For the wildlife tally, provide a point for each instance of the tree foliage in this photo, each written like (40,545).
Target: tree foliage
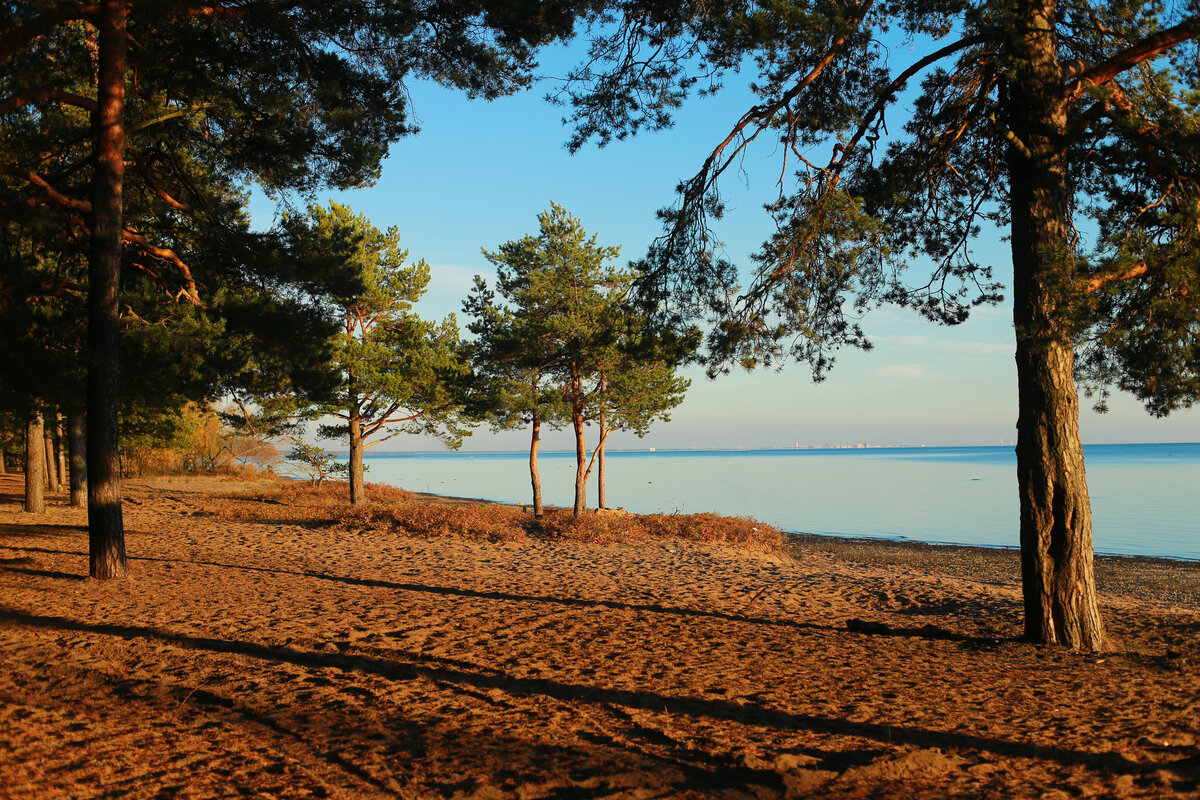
(396,373)
(200,99)
(317,465)
(1072,125)
(566,345)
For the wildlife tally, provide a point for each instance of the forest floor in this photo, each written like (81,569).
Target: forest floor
(291,659)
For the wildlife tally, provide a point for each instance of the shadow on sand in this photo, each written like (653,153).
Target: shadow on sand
(456,675)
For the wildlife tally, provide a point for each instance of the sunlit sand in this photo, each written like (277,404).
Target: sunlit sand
(284,659)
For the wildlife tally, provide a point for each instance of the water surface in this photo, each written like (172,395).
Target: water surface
(1144,498)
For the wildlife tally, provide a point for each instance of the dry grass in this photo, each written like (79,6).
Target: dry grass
(390,508)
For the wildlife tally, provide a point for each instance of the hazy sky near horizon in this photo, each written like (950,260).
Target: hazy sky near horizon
(478,174)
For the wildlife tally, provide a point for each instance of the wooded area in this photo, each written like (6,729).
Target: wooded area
(131,133)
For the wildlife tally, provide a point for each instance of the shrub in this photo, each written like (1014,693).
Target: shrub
(391,508)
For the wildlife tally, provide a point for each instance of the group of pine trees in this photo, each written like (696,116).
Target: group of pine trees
(560,342)
(387,372)
(131,129)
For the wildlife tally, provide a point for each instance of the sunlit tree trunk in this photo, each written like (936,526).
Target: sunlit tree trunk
(600,499)
(35,500)
(77,448)
(106,528)
(534,477)
(357,485)
(1056,527)
(580,443)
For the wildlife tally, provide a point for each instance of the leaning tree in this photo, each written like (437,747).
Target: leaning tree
(1073,126)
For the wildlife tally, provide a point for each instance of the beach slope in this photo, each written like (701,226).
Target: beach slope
(283,659)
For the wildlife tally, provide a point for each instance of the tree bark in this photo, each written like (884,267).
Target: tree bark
(35,501)
(60,450)
(600,499)
(106,529)
(1056,528)
(77,447)
(581,474)
(50,461)
(358,494)
(534,477)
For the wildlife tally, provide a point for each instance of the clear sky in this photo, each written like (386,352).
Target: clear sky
(479,173)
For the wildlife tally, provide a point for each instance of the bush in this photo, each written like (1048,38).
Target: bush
(394,509)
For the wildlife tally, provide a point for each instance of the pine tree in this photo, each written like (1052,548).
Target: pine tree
(1070,125)
(292,96)
(397,373)
(568,333)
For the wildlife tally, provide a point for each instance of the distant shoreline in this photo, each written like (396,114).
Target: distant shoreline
(850,543)
(663,451)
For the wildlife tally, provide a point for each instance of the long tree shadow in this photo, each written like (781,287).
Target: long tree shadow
(42,529)
(929,632)
(325,735)
(7,566)
(749,714)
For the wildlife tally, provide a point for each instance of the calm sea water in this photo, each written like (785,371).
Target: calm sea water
(1144,496)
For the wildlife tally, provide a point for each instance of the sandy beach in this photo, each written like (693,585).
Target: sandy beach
(285,659)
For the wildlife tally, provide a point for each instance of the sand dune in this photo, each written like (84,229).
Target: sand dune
(274,660)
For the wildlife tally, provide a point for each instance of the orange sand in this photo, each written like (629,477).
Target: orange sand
(246,659)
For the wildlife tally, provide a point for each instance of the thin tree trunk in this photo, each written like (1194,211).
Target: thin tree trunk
(535,478)
(3,467)
(1056,527)
(357,486)
(51,458)
(77,446)
(60,449)
(580,446)
(106,528)
(600,500)
(35,501)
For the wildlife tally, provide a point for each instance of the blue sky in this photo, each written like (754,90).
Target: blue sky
(479,173)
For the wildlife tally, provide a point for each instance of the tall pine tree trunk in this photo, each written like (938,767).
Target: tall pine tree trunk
(1056,527)
(77,448)
(35,500)
(357,486)
(534,477)
(106,528)
(580,443)
(51,461)
(600,499)
(60,449)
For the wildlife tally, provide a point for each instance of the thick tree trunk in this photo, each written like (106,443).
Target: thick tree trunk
(50,460)
(3,466)
(600,499)
(357,486)
(106,528)
(35,501)
(77,447)
(534,477)
(1056,528)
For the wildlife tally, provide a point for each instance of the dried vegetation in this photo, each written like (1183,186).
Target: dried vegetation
(427,516)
